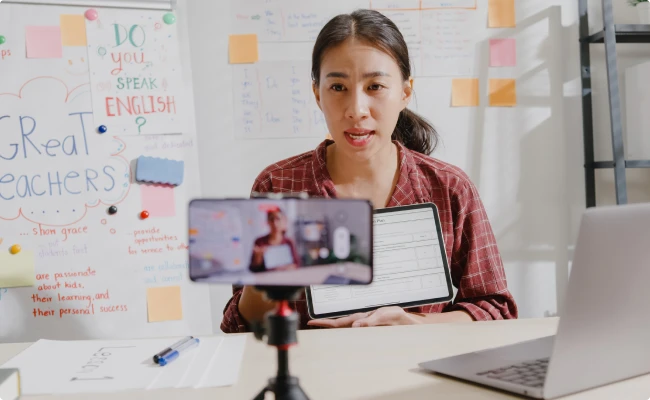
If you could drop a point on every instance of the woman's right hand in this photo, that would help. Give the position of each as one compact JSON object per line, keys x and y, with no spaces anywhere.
{"x":253,"y":304}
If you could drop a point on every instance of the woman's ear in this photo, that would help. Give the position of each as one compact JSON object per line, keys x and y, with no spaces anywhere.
{"x":408,"y":92}
{"x":314,"y":88}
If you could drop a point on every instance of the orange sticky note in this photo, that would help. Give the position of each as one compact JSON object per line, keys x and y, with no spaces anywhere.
{"x":73,"y":30}
{"x":243,"y":49}
{"x":503,"y":92}
{"x":464,"y":92}
{"x":164,"y":304}
{"x":501,"y":14}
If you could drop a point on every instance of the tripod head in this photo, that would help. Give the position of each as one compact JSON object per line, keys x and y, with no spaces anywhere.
{"x":280,"y":327}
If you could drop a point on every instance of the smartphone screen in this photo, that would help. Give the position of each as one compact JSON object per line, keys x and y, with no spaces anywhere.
{"x":287,"y":242}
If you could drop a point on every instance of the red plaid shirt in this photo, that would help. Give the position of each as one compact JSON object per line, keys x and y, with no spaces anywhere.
{"x":475,"y":262}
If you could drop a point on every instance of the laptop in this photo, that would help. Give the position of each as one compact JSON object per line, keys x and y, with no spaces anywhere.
{"x":603,"y":334}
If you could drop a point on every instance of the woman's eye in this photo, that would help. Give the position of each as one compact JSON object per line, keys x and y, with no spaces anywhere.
{"x":374,"y":87}
{"x":337,"y":88}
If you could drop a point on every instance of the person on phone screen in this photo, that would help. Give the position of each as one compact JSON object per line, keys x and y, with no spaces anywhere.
{"x":380,"y":150}
{"x":286,"y":255}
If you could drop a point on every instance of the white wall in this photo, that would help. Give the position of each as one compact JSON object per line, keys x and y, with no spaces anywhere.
{"x":527,"y":164}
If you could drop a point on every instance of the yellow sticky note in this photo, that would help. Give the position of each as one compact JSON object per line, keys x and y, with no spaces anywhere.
{"x":164,"y":304}
{"x":73,"y":30}
{"x":501,"y":14}
{"x":17,"y":270}
{"x":503,"y":92}
{"x":464,"y":92}
{"x":243,"y":49}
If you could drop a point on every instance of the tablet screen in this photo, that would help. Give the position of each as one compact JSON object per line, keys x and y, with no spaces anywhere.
{"x":410,"y":266}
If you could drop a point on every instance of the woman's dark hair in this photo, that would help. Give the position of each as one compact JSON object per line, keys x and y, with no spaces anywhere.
{"x":372,"y":27}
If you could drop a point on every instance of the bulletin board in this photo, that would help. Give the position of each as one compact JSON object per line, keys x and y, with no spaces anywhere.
{"x":98,"y":161}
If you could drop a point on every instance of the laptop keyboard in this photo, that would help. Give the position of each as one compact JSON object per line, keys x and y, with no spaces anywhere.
{"x":531,"y":373}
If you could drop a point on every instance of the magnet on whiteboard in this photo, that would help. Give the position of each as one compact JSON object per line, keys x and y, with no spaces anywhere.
{"x":102,"y":129}
{"x":144,"y":214}
{"x":112,"y":210}
{"x":91,"y":14}
{"x":15,"y":249}
{"x":2,"y":39}
{"x":169,"y":18}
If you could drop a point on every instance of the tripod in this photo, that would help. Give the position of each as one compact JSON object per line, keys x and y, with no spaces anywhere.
{"x":280,"y":327}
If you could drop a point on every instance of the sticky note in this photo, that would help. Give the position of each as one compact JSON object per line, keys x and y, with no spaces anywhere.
{"x":164,"y":304}
{"x":73,"y":30}
{"x":158,"y":200}
{"x":503,"y":92}
{"x":501,"y":13}
{"x":159,"y":170}
{"x":43,"y":42}
{"x":243,"y":49}
{"x":464,"y":92}
{"x":503,"y":52}
{"x":16,"y":270}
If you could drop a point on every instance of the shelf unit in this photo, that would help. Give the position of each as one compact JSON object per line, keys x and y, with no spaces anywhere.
{"x":609,"y":36}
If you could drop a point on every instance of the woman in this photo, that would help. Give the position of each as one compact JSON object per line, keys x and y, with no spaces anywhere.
{"x":361,"y":80}
{"x":277,"y":222}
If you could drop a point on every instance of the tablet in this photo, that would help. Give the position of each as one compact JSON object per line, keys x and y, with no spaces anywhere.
{"x":409,"y":261}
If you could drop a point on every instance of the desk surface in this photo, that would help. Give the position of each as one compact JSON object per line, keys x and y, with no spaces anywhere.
{"x":374,"y":363}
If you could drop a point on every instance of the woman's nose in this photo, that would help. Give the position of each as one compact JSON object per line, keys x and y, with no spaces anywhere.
{"x":358,"y":107}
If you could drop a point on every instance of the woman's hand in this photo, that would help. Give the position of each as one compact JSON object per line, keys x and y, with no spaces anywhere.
{"x":381,"y":317}
{"x":258,"y":255}
{"x":388,"y":316}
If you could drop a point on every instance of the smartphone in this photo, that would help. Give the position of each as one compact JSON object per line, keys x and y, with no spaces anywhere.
{"x":281,"y":242}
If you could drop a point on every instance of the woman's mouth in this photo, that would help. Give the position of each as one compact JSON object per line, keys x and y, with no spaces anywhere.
{"x":358,"y":137}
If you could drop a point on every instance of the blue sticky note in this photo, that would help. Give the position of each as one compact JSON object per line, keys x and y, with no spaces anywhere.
{"x":159,"y":170}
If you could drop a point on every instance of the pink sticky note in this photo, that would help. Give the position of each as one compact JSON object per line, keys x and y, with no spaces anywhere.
{"x":158,"y":200}
{"x":503,"y":52}
{"x":43,"y":42}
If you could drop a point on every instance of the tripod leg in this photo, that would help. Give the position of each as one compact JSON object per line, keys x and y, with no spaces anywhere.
{"x":261,"y":394}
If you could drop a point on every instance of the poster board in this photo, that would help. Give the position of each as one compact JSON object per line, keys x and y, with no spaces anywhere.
{"x":95,"y":274}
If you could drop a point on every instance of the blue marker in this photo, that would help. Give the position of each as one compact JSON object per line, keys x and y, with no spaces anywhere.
{"x":169,"y":357}
{"x":170,"y":348}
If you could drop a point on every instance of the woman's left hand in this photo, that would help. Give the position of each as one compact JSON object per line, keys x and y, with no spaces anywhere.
{"x":385,"y":316}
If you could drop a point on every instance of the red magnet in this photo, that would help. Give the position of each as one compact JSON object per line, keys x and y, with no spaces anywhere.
{"x":144,"y":214}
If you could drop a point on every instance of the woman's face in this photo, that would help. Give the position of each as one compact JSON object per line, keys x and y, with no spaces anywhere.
{"x":361,"y":93}
{"x":277,"y":222}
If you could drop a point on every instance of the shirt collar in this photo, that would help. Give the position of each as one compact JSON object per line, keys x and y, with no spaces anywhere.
{"x":403,"y":189}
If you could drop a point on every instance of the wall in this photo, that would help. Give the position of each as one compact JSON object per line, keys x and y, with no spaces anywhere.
{"x":527,"y":164}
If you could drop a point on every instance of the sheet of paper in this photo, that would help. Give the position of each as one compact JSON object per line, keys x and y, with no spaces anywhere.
{"x":164,"y":303}
{"x":503,"y":52}
{"x":503,"y":92}
{"x":243,"y":49}
{"x":226,"y":364}
{"x":464,"y":92}
{"x":58,"y":367}
{"x":194,"y":375}
{"x":17,"y":270}
{"x":501,"y":14}
{"x":158,"y":200}
{"x":195,"y":362}
{"x":136,"y":74}
{"x":43,"y":42}
{"x":73,"y":30}
{"x":275,"y":100}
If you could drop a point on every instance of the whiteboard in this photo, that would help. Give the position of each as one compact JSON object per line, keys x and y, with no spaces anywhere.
{"x":96,"y":273}
{"x":144,"y":4}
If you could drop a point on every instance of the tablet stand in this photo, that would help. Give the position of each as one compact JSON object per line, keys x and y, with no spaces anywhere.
{"x":280,"y":327}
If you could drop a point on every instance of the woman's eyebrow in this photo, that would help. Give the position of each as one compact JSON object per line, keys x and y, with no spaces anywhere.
{"x":374,"y":74}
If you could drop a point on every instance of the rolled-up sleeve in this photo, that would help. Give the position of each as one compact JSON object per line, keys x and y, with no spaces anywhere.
{"x":476,"y":265}
{"x":232,"y":321}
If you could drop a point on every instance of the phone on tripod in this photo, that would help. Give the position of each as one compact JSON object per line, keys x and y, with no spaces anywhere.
{"x":290,"y":242}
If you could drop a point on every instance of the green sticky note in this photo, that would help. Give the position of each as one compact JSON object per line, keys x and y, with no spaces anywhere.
{"x":17,"y":270}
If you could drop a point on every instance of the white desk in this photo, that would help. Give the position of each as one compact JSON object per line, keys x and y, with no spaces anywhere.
{"x":374,"y":363}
